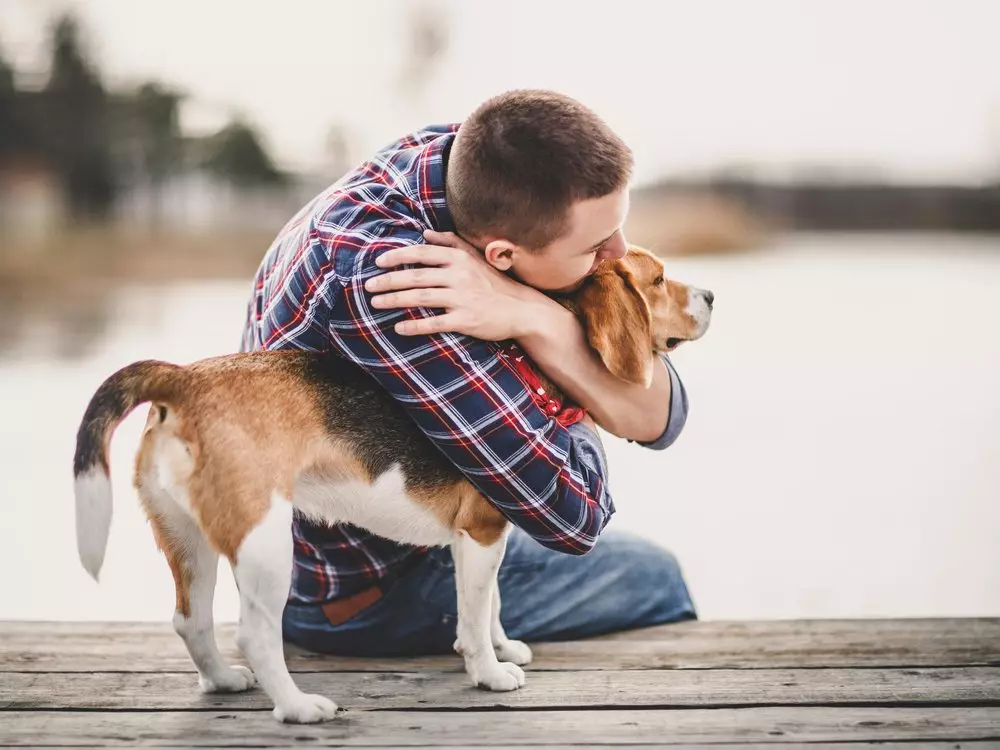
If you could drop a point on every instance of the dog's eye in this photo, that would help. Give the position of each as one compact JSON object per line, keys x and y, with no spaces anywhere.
{"x":658,"y":280}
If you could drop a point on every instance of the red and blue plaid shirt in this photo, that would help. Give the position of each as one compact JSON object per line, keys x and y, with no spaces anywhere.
{"x":466,"y":398}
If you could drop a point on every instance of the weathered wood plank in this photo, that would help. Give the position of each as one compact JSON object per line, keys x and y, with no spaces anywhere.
{"x":75,"y":647}
{"x":465,"y":728}
{"x":890,"y":745}
{"x":985,"y":627}
{"x":545,"y":690}
{"x":879,"y":745}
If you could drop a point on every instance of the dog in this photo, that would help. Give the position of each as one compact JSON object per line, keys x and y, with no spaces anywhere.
{"x":233,"y":443}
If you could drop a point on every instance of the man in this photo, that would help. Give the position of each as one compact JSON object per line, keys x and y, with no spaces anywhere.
{"x":536,"y":187}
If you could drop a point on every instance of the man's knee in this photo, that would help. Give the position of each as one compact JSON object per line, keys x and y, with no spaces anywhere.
{"x":625,"y":582}
{"x":653,"y":578}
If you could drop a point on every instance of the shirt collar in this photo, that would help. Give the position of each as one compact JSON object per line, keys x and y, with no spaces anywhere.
{"x":429,"y":179}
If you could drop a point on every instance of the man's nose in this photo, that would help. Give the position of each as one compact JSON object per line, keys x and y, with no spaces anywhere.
{"x":615,"y":248}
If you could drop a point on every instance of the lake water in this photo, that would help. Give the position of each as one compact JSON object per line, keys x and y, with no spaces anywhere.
{"x":841,"y":459}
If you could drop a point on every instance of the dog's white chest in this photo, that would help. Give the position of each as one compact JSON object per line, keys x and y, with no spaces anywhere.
{"x":384,"y":507}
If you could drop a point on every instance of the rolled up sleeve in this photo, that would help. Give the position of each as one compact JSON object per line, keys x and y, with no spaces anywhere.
{"x":544,"y":478}
{"x":678,"y":411}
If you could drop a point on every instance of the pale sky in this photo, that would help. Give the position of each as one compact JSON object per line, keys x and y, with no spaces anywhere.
{"x":907,"y":88}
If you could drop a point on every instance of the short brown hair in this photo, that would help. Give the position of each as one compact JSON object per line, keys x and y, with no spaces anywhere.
{"x":523,"y":158}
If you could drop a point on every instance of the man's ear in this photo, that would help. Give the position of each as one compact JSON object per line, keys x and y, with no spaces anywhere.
{"x":619,"y":324}
{"x":499,"y":254}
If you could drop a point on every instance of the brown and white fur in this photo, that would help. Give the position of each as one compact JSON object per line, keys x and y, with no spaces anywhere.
{"x":232,"y":444}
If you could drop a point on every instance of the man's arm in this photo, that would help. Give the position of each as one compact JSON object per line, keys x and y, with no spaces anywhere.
{"x":556,"y":342}
{"x":678,"y":411}
{"x":477,"y":411}
{"x":482,"y":302}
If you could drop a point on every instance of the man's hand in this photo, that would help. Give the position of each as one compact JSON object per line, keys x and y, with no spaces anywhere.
{"x":481,"y":302}
{"x":478,"y":300}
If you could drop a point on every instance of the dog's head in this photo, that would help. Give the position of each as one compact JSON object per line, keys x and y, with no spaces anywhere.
{"x":632,"y":311}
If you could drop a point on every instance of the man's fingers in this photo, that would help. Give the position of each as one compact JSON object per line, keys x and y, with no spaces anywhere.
{"x":408,"y":279}
{"x":422,"y":326}
{"x":434,"y":297}
{"x":427,"y":255}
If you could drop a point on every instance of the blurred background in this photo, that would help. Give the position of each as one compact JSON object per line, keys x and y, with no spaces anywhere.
{"x":831,"y":170}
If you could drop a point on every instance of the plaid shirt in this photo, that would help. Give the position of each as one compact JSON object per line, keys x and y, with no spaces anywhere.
{"x":309,"y":294}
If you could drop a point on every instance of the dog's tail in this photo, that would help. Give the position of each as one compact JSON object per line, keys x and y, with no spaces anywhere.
{"x":117,"y":396}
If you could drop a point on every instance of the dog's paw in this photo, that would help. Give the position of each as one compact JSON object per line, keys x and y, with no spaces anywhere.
{"x":306,"y":709}
{"x":517,"y":652}
{"x":230,"y":680}
{"x":500,"y":677}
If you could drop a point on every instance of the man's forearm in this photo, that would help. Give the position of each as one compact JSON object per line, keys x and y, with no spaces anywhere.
{"x":556,"y":342}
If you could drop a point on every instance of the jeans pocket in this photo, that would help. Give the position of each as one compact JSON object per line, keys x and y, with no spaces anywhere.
{"x":367,"y":614}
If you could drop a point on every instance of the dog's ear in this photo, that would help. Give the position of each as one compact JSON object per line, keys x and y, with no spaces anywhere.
{"x":618,"y":323}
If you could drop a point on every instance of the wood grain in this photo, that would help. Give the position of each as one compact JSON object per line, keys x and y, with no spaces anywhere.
{"x":138,"y":647}
{"x":545,"y":690}
{"x":465,"y":728}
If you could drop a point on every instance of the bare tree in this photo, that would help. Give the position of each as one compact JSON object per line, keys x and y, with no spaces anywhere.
{"x":80,"y":108}
{"x":427,"y":34}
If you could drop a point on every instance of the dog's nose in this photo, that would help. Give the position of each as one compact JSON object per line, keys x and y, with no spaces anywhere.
{"x":709,"y":298}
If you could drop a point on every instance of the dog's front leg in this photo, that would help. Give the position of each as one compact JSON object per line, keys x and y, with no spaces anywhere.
{"x":264,"y":575}
{"x":476,"y":567}
{"x":506,"y":649}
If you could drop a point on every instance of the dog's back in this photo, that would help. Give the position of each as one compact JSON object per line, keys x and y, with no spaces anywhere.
{"x":227,"y":434}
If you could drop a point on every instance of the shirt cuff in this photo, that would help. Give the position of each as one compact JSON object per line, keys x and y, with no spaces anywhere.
{"x":589,"y":450}
{"x":678,"y":411}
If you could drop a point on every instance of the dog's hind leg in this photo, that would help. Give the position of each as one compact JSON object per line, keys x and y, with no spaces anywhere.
{"x":263,"y":568}
{"x":476,"y":567}
{"x":194,"y":565}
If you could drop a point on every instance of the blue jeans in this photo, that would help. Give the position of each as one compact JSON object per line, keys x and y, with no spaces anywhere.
{"x":624,"y":582}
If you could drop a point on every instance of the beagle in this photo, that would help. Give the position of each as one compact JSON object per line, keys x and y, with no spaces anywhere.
{"x":233,"y":443}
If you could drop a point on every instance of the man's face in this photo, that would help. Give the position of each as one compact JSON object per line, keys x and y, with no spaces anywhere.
{"x":594,"y":234}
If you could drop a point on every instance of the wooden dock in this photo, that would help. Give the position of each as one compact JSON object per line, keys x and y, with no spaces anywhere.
{"x":927,"y":683}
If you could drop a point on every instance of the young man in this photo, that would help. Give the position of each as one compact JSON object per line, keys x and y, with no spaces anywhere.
{"x":536,"y":185}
